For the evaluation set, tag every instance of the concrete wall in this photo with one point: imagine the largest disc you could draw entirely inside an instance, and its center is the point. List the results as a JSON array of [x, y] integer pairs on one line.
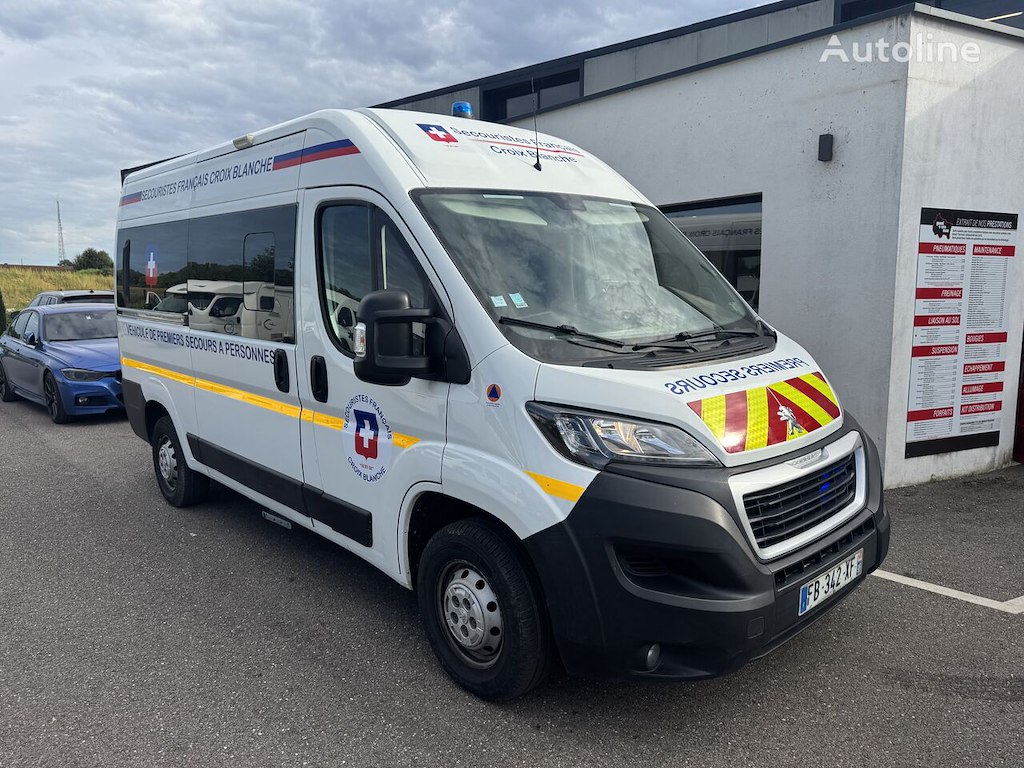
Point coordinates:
[[830, 229], [964, 148], [611, 70]]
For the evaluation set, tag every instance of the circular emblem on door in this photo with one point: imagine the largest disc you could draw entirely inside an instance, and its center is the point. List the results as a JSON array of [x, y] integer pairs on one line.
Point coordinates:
[[368, 438]]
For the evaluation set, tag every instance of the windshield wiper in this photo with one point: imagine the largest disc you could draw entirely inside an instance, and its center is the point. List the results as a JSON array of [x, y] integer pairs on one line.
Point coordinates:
[[682, 339], [563, 330]]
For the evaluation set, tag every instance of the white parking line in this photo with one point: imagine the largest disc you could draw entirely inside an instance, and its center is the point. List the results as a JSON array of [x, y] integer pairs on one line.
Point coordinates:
[[1015, 606]]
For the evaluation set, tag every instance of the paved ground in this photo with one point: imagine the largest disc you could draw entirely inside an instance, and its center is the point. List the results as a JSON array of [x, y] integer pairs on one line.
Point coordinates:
[[134, 634]]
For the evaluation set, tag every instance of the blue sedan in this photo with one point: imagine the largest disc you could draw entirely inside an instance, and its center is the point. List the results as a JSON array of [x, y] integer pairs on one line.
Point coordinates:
[[63, 356]]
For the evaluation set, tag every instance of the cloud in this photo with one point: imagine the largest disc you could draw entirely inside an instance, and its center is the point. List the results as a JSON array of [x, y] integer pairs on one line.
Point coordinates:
[[89, 88]]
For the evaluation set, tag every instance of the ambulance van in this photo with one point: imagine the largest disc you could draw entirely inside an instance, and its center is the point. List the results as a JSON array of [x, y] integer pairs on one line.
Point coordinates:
[[506, 380]]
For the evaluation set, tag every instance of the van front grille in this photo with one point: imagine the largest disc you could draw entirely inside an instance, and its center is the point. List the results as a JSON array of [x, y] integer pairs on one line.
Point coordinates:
[[784, 511]]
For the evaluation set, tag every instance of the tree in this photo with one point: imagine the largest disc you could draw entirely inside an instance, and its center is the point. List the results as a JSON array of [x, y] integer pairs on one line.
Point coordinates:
[[90, 258], [66, 263], [3, 313]]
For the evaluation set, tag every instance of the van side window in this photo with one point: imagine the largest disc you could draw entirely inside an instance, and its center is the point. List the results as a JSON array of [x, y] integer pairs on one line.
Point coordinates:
[[399, 268], [345, 266], [155, 261], [235, 274], [361, 250]]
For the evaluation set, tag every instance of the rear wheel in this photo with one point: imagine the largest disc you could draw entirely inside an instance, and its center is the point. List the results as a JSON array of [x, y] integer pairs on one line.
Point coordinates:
[[54, 403], [6, 392], [483, 615], [181, 486]]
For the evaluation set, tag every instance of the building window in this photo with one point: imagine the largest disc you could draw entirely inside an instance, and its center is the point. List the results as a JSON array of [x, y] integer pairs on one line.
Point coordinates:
[[728, 232], [518, 99]]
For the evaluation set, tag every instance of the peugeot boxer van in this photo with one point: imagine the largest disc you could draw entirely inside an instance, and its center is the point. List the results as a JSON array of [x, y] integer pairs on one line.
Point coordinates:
[[505, 379]]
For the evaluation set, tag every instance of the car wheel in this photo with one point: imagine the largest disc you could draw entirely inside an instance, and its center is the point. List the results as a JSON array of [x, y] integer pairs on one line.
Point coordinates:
[[54, 403], [483, 616], [6, 391], [181, 486]]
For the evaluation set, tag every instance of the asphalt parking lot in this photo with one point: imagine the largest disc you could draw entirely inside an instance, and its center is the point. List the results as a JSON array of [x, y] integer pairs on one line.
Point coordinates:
[[135, 634]]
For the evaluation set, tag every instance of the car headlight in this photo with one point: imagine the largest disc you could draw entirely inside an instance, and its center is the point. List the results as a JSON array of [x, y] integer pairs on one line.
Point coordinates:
[[82, 374], [595, 439]]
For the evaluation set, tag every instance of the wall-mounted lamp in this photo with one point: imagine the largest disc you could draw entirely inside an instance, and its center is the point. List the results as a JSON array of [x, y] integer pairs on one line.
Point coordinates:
[[825, 142]]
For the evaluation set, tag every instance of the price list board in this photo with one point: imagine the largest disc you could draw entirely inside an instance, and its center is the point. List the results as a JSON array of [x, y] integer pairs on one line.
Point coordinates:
[[958, 355]]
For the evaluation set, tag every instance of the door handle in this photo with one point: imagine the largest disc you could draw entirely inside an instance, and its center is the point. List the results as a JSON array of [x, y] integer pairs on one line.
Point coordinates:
[[318, 378], [281, 375]]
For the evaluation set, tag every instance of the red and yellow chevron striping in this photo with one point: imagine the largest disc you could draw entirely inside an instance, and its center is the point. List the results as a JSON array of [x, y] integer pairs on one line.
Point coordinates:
[[764, 416]]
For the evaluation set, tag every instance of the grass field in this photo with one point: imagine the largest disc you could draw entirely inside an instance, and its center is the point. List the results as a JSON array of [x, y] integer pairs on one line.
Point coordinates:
[[19, 286]]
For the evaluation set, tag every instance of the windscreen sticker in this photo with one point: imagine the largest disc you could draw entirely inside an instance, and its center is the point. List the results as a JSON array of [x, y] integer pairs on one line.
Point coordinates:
[[367, 438], [499, 301], [765, 416], [518, 301]]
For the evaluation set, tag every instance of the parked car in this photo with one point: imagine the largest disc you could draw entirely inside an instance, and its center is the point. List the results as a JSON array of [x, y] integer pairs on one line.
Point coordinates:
[[72, 297], [64, 357]]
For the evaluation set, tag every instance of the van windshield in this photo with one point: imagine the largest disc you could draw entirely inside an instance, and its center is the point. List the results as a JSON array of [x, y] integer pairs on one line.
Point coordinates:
[[618, 273]]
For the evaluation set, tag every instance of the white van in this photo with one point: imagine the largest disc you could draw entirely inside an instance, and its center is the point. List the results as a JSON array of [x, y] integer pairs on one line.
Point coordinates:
[[505, 379]]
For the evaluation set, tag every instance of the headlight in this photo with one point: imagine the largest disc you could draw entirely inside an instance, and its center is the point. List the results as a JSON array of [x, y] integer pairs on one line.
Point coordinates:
[[81, 374], [595, 439]]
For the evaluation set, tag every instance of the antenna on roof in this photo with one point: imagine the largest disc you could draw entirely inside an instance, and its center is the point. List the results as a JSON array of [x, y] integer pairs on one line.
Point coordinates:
[[536, 106]]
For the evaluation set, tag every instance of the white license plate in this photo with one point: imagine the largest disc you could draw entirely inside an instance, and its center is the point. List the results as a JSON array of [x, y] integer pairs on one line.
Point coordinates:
[[830, 582]]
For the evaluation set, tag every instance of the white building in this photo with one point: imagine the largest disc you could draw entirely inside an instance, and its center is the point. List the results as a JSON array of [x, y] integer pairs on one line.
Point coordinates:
[[852, 175]]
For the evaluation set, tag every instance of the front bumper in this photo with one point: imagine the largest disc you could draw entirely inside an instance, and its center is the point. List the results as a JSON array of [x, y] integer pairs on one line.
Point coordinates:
[[661, 556], [81, 398]]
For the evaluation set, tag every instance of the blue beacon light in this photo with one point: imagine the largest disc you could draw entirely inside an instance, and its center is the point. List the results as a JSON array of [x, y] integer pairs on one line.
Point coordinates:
[[462, 109]]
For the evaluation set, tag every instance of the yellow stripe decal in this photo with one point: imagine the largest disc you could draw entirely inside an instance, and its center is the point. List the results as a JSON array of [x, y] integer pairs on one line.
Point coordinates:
[[181, 378], [559, 488], [404, 441], [331, 422], [276, 406], [820, 385], [813, 410], [757, 419], [713, 414]]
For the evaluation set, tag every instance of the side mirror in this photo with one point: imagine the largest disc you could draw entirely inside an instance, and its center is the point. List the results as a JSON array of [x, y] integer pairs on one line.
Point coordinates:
[[31, 339], [384, 339]]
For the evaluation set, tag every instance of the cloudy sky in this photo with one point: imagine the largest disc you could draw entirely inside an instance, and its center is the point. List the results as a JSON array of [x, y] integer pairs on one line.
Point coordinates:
[[88, 87]]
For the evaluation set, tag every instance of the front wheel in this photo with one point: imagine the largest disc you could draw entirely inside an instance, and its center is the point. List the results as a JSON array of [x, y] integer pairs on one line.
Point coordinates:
[[484, 617], [54, 403], [181, 486]]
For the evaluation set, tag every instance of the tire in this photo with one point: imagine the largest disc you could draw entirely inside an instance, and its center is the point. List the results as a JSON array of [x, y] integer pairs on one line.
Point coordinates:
[[6, 392], [54, 403], [497, 644], [181, 486]]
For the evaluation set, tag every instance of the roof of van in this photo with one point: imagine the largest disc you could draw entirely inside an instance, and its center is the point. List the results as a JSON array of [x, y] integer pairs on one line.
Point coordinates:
[[392, 151]]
